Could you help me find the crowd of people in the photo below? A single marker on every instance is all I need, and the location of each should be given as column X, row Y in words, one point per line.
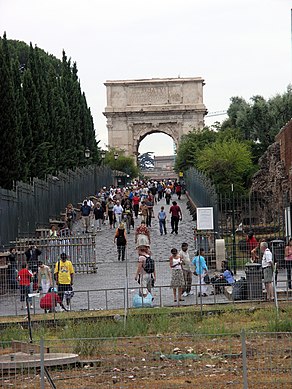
column 126, row 210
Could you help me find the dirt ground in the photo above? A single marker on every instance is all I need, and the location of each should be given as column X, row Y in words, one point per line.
column 169, row 362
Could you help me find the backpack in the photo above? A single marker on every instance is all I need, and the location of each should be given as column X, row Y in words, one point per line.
column 149, row 265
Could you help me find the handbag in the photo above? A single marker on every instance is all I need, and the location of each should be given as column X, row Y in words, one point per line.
column 207, row 279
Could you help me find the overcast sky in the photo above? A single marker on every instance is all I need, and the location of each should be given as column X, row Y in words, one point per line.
column 240, row 47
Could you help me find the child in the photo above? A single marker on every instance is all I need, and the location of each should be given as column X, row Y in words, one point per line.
column 51, row 300
column 25, row 277
column 162, row 221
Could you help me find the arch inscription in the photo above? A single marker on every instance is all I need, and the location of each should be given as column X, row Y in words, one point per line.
column 137, row 108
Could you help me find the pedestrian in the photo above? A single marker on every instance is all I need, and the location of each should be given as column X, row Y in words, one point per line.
column 186, row 267
column 44, row 277
column 176, row 216
column 136, row 201
column 251, row 243
column 288, row 262
column 12, row 268
column 178, row 191
column 201, row 270
column 118, row 212
column 98, row 216
column 110, row 212
column 121, row 240
column 268, row 268
column 145, row 273
column 167, row 195
column 24, row 278
column 85, row 213
column 32, row 255
column 64, row 276
column 177, row 278
column 149, row 203
column 144, row 211
column 142, row 235
column 70, row 215
column 162, row 221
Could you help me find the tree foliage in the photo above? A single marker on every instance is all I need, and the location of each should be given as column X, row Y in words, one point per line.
column 146, row 161
column 227, row 162
column 45, row 123
column 117, row 160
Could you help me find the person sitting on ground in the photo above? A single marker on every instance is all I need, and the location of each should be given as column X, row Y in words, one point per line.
column 225, row 278
column 50, row 301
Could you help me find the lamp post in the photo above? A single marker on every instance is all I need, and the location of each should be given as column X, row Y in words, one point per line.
column 233, row 231
column 116, row 155
column 102, row 156
column 87, row 153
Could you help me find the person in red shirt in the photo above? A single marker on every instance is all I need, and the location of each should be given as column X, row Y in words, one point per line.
column 136, row 201
column 25, row 277
column 178, row 191
column 251, row 242
column 176, row 216
column 51, row 300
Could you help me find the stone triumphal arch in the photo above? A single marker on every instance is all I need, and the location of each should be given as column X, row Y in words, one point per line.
column 137, row 108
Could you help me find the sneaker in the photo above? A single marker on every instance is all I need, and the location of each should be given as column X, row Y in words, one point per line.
column 185, row 294
column 31, row 306
column 191, row 293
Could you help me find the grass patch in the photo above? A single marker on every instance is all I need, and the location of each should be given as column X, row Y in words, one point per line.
column 155, row 321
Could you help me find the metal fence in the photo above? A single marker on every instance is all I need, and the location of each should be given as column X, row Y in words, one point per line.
column 242, row 360
column 30, row 206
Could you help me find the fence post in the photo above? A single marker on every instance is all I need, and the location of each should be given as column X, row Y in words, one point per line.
column 244, row 360
column 42, row 355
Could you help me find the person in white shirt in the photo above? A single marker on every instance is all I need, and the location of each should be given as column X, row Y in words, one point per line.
column 268, row 268
column 118, row 211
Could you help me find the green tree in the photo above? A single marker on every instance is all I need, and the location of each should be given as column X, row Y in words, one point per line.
column 117, row 160
column 227, row 162
column 10, row 136
column 146, row 161
column 190, row 147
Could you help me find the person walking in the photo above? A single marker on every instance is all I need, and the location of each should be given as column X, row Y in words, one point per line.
column 24, row 278
column 177, row 278
column 288, row 262
column 136, row 201
column 98, row 216
column 64, row 275
column 85, row 213
column 176, row 216
column 201, row 269
column 110, row 212
column 145, row 273
column 268, row 268
column 144, row 211
column 44, row 277
column 118, row 212
column 142, row 235
column 186, row 267
column 121, row 240
column 162, row 221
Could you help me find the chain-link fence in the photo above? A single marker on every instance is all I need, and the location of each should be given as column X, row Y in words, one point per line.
column 243, row 360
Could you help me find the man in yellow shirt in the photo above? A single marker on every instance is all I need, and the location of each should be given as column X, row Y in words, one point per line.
column 64, row 275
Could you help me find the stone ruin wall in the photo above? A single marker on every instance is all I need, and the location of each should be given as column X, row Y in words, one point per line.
column 273, row 182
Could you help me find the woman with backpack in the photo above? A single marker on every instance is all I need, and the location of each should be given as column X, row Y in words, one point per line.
column 145, row 274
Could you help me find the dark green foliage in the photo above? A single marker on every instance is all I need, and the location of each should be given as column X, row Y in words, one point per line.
column 146, row 161
column 45, row 123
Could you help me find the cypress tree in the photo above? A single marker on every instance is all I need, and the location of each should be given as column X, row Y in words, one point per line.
column 9, row 131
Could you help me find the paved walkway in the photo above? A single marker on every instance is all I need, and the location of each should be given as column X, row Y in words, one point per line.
column 99, row 291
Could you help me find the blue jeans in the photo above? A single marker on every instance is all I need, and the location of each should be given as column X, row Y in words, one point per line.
column 162, row 226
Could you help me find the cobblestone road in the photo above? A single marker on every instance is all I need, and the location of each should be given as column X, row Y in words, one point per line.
column 96, row 291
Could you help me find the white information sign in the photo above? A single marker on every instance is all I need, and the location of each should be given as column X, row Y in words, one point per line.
column 205, row 218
